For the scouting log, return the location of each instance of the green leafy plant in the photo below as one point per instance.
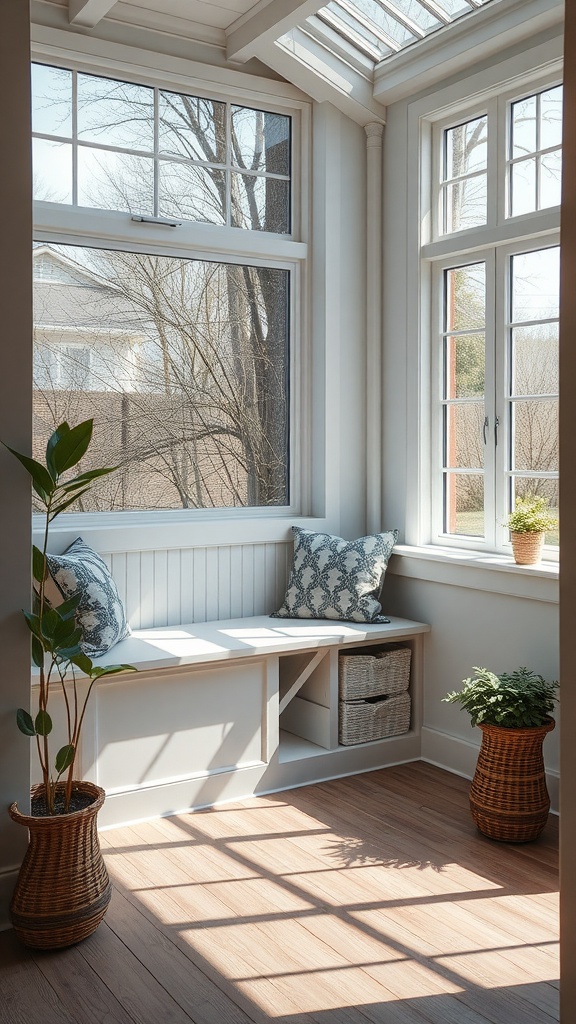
(530, 515)
(513, 700)
(56, 637)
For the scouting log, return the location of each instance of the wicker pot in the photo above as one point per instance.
(527, 547)
(508, 797)
(63, 889)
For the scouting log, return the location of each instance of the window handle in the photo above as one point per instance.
(485, 430)
(496, 425)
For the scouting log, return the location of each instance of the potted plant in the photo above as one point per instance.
(508, 798)
(63, 888)
(528, 523)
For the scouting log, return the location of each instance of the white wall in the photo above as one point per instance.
(473, 621)
(567, 503)
(335, 313)
(15, 426)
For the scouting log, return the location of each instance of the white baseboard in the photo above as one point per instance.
(459, 756)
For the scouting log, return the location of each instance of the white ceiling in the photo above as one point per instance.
(287, 37)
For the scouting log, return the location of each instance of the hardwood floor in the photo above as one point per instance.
(366, 899)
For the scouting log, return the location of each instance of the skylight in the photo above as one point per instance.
(379, 28)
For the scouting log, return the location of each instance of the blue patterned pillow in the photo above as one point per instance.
(332, 578)
(100, 613)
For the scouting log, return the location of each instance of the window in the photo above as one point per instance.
(494, 268)
(183, 355)
(114, 145)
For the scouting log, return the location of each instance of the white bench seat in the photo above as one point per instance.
(204, 642)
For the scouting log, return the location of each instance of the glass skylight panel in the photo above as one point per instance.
(378, 28)
(352, 20)
(456, 8)
(426, 19)
(384, 20)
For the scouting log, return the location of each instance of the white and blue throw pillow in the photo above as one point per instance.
(332, 578)
(100, 614)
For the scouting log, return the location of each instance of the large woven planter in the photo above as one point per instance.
(527, 547)
(63, 889)
(508, 798)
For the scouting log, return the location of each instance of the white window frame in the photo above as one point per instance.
(500, 237)
(66, 224)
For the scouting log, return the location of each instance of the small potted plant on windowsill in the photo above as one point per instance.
(528, 523)
(63, 889)
(508, 798)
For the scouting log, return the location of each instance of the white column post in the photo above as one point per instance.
(374, 138)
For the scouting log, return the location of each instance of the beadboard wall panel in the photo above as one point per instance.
(227, 581)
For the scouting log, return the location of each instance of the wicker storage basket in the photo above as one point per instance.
(372, 672)
(373, 718)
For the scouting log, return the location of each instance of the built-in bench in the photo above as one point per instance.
(222, 710)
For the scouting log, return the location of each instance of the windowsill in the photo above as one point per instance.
(496, 574)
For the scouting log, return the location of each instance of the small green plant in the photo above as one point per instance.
(56, 637)
(513, 700)
(530, 515)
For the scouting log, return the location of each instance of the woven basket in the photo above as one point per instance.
(508, 798)
(360, 721)
(527, 547)
(63, 889)
(371, 672)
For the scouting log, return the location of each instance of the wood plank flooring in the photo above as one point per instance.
(367, 900)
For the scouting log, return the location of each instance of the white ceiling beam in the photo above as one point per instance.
(88, 13)
(264, 23)
(323, 76)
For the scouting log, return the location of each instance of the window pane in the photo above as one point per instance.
(535, 360)
(192, 192)
(192, 127)
(260, 141)
(523, 192)
(51, 100)
(425, 19)
(550, 179)
(260, 204)
(535, 434)
(465, 297)
(115, 113)
(551, 118)
(115, 181)
(464, 504)
(466, 148)
(464, 440)
(385, 21)
(52, 171)
(465, 364)
(454, 7)
(535, 285)
(524, 127)
(465, 204)
(187, 375)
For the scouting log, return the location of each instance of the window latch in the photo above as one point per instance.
(496, 425)
(165, 221)
(485, 430)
